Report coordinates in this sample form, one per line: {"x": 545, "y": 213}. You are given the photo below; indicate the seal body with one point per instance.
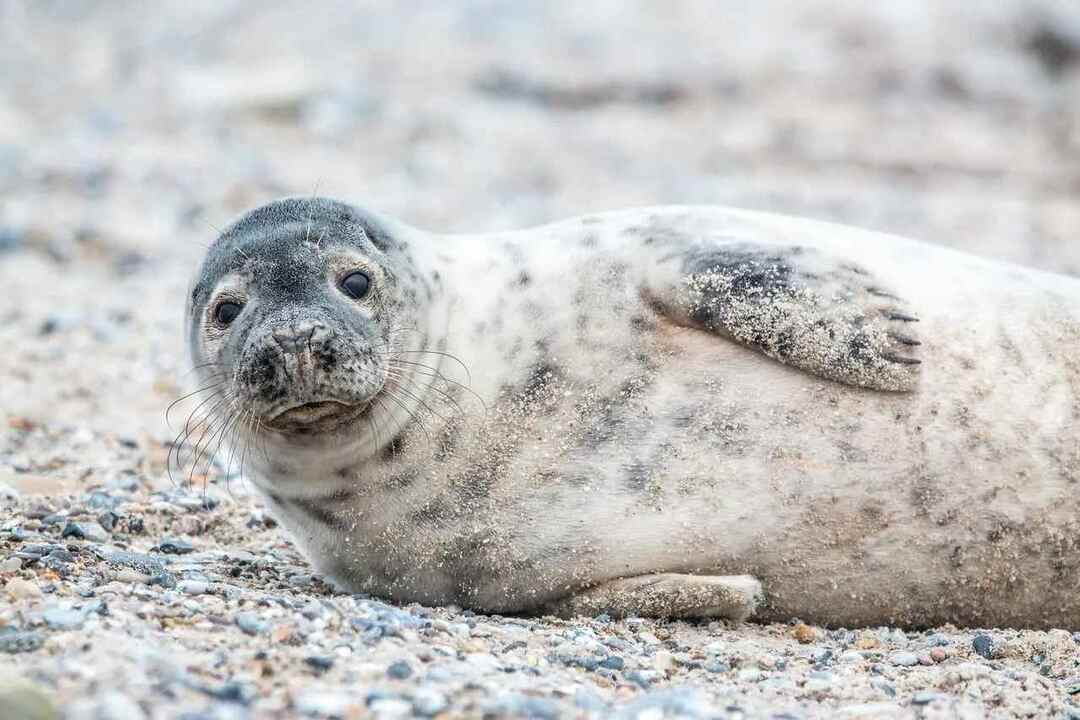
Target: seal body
{"x": 878, "y": 430}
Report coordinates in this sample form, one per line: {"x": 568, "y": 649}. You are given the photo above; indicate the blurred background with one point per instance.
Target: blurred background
{"x": 130, "y": 132}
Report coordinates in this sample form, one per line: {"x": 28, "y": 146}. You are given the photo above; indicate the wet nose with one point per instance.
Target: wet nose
{"x": 299, "y": 335}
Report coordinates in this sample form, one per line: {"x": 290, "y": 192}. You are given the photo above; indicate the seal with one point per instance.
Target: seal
{"x": 670, "y": 411}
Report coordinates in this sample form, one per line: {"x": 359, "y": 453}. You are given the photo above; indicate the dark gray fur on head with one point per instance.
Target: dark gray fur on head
{"x": 300, "y": 338}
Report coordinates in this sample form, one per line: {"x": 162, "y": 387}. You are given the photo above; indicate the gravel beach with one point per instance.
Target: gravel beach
{"x": 130, "y": 132}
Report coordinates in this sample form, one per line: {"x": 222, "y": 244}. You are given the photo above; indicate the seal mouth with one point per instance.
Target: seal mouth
{"x": 318, "y": 415}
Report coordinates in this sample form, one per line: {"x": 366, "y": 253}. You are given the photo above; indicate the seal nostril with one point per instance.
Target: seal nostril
{"x": 296, "y": 337}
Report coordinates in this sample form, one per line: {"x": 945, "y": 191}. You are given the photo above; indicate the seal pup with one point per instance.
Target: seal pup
{"x": 656, "y": 412}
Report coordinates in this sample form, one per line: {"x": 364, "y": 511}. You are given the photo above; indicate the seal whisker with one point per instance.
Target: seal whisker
{"x": 184, "y": 434}
{"x": 182, "y": 398}
{"x": 434, "y": 372}
{"x": 440, "y": 353}
{"x": 442, "y": 395}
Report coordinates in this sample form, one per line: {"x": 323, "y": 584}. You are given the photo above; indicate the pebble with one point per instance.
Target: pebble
{"x": 319, "y": 662}
{"x": 175, "y": 546}
{"x": 250, "y": 624}
{"x": 715, "y": 666}
{"x": 938, "y": 655}
{"x": 804, "y": 633}
{"x": 391, "y": 708}
{"x": 613, "y": 662}
{"x": 429, "y": 702}
{"x": 14, "y": 642}
{"x": 318, "y": 703}
{"x": 399, "y": 670}
{"x": 851, "y": 656}
{"x": 85, "y": 531}
{"x": 925, "y": 697}
{"x": 20, "y": 589}
{"x": 904, "y": 659}
{"x": 12, "y": 564}
{"x": 61, "y": 618}
{"x": 193, "y": 587}
{"x": 663, "y": 662}
{"x": 986, "y": 646}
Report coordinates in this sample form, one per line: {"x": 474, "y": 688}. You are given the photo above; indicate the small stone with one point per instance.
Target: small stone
{"x": 925, "y": 697}
{"x": 399, "y": 670}
{"x": 61, "y": 618}
{"x": 904, "y": 659}
{"x": 14, "y": 642}
{"x": 250, "y": 624}
{"x": 175, "y": 546}
{"x": 715, "y": 666}
{"x": 20, "y": 589}
{"x": 613, "y": 662}
{"x": 12, "y": 564}
{"x": 319, "y": 663}
{"x": 938, "y": 654}
{"x": 428, "y": 702}
{"x": 85, "y": 531}
{"x": 750, "y": 675}
{"x": 193, "y": 587}
{"x": 663, "y": 662}
{"x": 300, "y": 581}
{"x": 867, "y": 641}
{"x": 985, "y": 646}
{"x": 851, "y": 656}
{"x": 804, "y": 633}
{"x": 642, "y": 678}
{"x": 390, "y": 708}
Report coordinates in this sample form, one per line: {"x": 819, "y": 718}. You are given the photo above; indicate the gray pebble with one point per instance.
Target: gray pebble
{"x": 320, "y": 663}
{"x": 925, "y": 697}
{"x": 193, "y": 587}
{"x": 175, "y": 546}
{"x": 642, "y": 678}
{"x": 613, "y": 662}
{"x": 904, "y": 659}
{"x": 251, "y": 624}
{"x": 429, "y": 702}
{"x": 715, "y": 666}
{"x": 14, "y": 642}
{"x": 986, "y": 646}
{"x": 60, "y": 618}
{"x": 85, "y": 531}
{"x": 300, "y": 581}
{"x": 399, "y": 670}
{"x": 391, "y": 708}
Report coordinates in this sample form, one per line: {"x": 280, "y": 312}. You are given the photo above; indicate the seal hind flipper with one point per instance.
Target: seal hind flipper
{"x": 666, "y": 595}
{"x": 799, "y": 306}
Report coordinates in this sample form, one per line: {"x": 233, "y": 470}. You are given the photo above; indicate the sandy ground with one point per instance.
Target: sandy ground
{"x": 129, "y": 132}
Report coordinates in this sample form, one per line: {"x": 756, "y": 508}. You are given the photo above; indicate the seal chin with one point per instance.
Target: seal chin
{"x": 318, "y": 416}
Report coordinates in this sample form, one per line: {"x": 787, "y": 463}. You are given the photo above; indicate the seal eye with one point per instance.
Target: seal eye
{"x": 227, "y": 311}
{"x": 355, "y": 285}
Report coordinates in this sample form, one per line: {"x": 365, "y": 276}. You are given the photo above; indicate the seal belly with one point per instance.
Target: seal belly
{"x": 953, "y": 503}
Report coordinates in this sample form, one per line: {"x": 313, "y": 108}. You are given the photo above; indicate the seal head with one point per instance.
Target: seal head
{"x": 293, "y": 310}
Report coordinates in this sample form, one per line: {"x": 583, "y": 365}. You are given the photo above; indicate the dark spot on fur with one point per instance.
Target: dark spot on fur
{"x": 523, "y": 279}
{"x": 433, "y": 512}
{"x": 396, "y": 445}
{"x": 640, "y": 324}
{"x": 637, "y": 477}
{"x": 402, "y": 480}
{"x": 589, "y": 241}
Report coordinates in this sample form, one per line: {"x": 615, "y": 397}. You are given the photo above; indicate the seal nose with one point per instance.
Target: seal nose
{"x": 299, "y": 335}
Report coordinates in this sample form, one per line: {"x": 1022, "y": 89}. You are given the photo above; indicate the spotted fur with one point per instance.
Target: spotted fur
{"x": 881, "y": 431}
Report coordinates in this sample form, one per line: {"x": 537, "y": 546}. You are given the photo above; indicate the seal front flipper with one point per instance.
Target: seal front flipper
{"x": 796, "y": 305}
{"x": 666, "y": 595}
